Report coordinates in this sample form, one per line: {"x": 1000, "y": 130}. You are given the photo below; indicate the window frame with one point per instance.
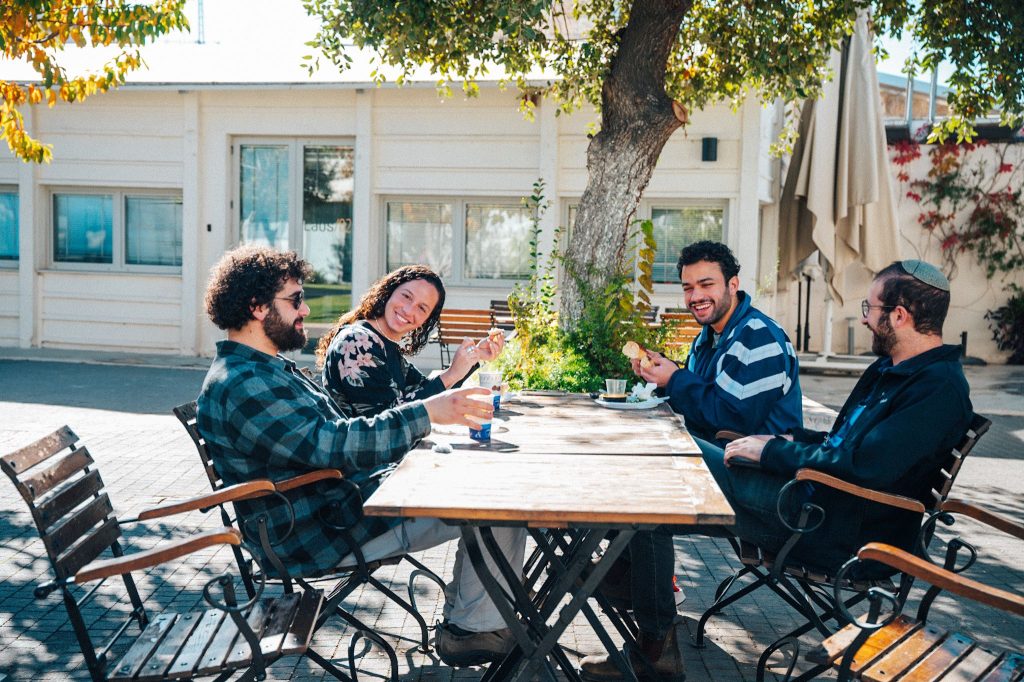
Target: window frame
{"x": 119, "y": 230}
{"x": 295, "y": 147}
{"x": 458, "y": 204}
{"x": 645, "y": 211}
{"x": 13, "y": 263}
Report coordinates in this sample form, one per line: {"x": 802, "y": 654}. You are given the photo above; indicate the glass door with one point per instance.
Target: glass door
{"x": 297, "y": 195}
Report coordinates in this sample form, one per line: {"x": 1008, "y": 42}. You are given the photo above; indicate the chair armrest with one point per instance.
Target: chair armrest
{"x": 977, "y": 513}
{"x": 241, "y": 491}
{"x": 726, "y": 434}
{"x": 306, "y": 479}
{"x": 105, "y": 568}
{"x": 919, "y": 568}
{"x": 898, "y": 501}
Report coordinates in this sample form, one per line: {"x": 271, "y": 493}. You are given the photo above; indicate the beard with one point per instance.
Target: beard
{"x": 283, "y": 335}
{"x": 883, "y": 339}
{"x": 719, "y": 309}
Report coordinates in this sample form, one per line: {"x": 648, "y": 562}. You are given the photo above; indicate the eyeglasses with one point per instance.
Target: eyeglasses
{"x": 866, "y": 307}
{"x": 299, "y": 297}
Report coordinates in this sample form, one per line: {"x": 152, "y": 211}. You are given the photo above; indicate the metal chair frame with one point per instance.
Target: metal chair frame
{"x": 809, "y": 590}
{"x": 348, "y": 578}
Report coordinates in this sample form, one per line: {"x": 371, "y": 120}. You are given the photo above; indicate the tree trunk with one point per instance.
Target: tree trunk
{"x": 637, "y": 118}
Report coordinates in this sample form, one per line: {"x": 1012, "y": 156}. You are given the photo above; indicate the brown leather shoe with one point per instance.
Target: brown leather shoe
{"x": 663, "y": 653}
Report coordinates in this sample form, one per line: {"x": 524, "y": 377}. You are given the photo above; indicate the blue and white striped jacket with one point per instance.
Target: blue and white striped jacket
{"x": 748, "y": 383}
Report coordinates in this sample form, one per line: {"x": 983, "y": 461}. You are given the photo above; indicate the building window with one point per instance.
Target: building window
{"x": 152, "y": 233}
{"x": 420, "y": 233}
{"x": 675, "y": 228}
{"x": 497, "y": 241}
{"x": 297, "y": 194}
{"x": 461, "y": 240}
{"x": 118, "y": 229}
{"x": 8, "y": 225}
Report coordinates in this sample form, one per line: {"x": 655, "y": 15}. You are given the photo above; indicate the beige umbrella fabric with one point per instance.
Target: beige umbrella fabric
{"x": 838, "y": 196}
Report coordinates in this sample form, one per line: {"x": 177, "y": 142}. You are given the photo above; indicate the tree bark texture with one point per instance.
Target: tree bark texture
{"x": 636, "y": 121}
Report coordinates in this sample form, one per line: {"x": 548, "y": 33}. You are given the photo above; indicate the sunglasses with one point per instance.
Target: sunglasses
{"x": 296, "y": 299}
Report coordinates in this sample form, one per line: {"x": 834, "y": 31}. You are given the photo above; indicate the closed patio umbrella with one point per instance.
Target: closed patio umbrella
{"x": 838, "y": 196}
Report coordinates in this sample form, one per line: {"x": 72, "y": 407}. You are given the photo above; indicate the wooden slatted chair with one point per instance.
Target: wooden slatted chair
{"x": 59, "y": 481}
{"x": 804, "y": 587}
{"x": 458, "y": 324}
{"x": 501, "y": 313}
{"x": 348, "y": 578}
{"x": 909, "y": 648}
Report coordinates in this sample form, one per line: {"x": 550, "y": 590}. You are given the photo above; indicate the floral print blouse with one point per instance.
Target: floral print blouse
{"x": 366, "y": 373}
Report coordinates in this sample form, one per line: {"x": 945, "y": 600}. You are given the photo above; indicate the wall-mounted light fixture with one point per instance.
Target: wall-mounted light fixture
{"x": 709, "y": 149}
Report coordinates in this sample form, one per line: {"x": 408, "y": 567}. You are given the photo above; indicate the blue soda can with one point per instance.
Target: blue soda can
{"x": 496, "y": 397}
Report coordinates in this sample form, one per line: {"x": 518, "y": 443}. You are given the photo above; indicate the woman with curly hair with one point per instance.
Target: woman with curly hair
{"x": 364, "y": 355}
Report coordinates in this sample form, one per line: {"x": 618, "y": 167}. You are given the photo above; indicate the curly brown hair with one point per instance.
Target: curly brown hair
{"x": 371, "y": 306}
{"x": 246, "y": 277}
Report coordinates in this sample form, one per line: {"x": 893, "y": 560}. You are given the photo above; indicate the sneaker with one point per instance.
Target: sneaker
{"x": 459, "y": 648}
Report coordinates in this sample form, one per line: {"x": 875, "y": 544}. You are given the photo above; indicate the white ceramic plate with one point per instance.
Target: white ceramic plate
{"x": 645, "y": 405}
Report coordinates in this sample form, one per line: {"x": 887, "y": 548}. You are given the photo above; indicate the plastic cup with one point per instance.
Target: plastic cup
{"x": 492, "y": 380}
{"x": 483, "y": 432}
{"x": 615, "y": 386}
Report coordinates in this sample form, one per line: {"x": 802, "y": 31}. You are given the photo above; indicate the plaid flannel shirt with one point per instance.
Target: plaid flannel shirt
{"x": 262, "y": 419}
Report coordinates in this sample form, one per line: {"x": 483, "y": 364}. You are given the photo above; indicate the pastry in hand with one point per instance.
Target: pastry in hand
{"x": 634, "y": 351}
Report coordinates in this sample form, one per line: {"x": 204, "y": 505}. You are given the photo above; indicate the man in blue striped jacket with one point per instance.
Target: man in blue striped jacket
{"x": 742, "y": 371}
{"x": 741, "y": 376}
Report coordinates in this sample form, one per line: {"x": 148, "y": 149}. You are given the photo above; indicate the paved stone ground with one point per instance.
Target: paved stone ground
{"x": 122, "y": 413}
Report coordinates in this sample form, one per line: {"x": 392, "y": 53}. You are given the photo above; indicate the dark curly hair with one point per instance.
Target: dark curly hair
{"x": 246, "y": 277}
{"x": 926, "y": 304}
{"x": 372, "y": 306}
{"x": 712, "y": 252}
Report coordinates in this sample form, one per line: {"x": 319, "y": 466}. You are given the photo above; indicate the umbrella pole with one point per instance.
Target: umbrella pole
{"x": 799, "y": 313}
{"x": 807, "y": 316}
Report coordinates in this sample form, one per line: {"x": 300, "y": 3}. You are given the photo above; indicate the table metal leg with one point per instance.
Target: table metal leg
{"x": 570, "y": 568}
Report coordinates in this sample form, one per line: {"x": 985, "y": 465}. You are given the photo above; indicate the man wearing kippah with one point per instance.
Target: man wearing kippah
{"x": 904, "y": 416}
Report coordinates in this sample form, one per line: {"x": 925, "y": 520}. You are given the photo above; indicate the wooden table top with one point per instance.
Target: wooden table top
{"x": 574, "y": 424}
{"x": 550, "y": 491}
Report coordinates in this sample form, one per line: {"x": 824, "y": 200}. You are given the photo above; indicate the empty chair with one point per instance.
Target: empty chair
{"x": 59, "y": 481}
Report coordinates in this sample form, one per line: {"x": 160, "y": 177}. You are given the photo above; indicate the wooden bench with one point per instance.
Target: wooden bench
{"x": 458, "y": 324}
{"x": 683, "y": 328}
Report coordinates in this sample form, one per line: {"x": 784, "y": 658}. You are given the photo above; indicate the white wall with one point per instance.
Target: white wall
{"x": 8, "y": 307}
{"x": 407, "y": 142}
{"x": 972, "y": 294}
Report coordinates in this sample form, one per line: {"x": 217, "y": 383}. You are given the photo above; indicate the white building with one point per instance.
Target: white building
{"x": 109, "y": 246}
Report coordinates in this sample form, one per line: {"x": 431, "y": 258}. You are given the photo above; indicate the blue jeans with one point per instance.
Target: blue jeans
{"x": 751, "y": 493}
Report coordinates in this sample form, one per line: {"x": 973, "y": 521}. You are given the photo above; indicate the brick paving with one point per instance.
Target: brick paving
{"x": 122, "y": 414}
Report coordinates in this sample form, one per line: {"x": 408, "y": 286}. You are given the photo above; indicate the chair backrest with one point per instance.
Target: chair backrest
{"x": 456, "y": 325}
{"x": 57, "y": 478}
{"x": 501, "y": 314}
{"x": 65, "y": 495}
{"x": 651, "y": 314}
{"x": 186, "y": 414}
{"x": 944, "y": 478}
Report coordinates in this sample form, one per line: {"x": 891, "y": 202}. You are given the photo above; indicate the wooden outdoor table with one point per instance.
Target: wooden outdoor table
{"x": 632, "y": 478}
{"x": 575, "y": 424}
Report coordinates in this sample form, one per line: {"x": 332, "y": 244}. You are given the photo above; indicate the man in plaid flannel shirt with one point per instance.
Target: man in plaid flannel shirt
{"x": 261, "y": 418}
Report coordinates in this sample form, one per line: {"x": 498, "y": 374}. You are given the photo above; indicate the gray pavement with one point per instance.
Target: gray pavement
{"x": 122, "y": 412}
